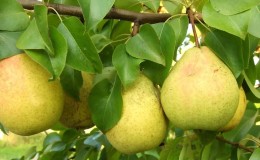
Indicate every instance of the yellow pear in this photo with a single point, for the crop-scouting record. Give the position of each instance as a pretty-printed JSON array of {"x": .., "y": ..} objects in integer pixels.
[
  {"x": 200, "y": 92},
  {"x": 239, "y": 112},
  {"x": 76, "y": 113},
  {"x": 29, "y": 102},
  {"x": 142, "y": 125}
]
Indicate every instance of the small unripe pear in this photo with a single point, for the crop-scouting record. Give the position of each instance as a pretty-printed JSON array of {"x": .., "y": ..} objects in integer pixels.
[
  {"x": 200, "y": 92},
  {"x": 142, "y": 125},
  {"x": 29, "y": 102},
  {"x": 76, "y": 113}
]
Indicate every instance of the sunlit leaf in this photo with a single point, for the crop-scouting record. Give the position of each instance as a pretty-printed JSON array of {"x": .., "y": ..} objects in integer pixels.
[
  {"x": 255, "y": 155},
  {"x": 233, "y": 24},
  {"x": 152, "y": 4},
  {"x": 229, "y": 7},
  {"x": 254, "y": 22},
  {"x": 172, "y": 6}
]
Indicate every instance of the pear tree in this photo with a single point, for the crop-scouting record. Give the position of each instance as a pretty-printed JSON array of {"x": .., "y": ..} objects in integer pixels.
[{"x": 132, "y": 79}]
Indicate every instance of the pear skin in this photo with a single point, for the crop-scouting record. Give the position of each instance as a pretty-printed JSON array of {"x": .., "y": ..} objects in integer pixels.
[
  {"x": 29, "y": 102},
  {"x": 200, "y": 92},
  {"x": 142, "y": 125},
  {"x": 76, "y": 113},
  {"x": 239, "y": 112}
]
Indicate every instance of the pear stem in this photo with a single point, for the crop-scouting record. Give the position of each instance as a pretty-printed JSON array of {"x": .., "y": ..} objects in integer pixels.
[
  {"x": 192, "y": 21},
  {"x": 136, "y": 28}
]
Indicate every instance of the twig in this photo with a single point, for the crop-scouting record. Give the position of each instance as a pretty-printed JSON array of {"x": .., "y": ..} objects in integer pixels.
[
  {"x": 136, "y": 28},
  {"x": 114, "y": 13},
  {"x": 238, "y": 145},
  {"x": 191, "y": 18}
]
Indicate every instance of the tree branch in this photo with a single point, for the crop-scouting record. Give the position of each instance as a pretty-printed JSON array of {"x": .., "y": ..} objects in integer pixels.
[
  {"x": 114, "y": 13},
  {"x": 237, "y": 145}
]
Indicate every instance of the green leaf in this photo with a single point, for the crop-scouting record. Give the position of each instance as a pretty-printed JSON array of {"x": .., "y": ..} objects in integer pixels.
[
  {"x": 41, "y": 57},
  {"x": 100, "y": 41},
  {"x": 255, "y": 155},
  {"x": 245, "y": 125},
  {"x": 58, "y": 146},
  {"x": 70, "y": 135},
  {"x": 146, "y": 45},
  {"x": 71, "y": 81},
  {"x": 233, "y": 24},
  {"x": 132, "y": 5},
  {"x": 254, "y": 23},
  {"x": 127, "y": 66},
  {"x": 198, "y": 4},
  {"x": 41, "y": 19},
  {"x": 94, "y": 11},
  {"x": 251, "y": 70},
  {"x": 230, "y": 7},
  {"x": 172, "y": 149},
  {"x": 12, "y": 16},
  {"x": 249, "y": 47},
  {"x": 51, "y": 139},
  {"x": 180, "y": 27},
  {"x": 31, "y": 34},
  {"x": 66, "y": 2},
  {"x": 8, "y": 44},
  {"x": 216, "y": 150},
  {"x": 54, "y": 64},
  {"x": 172, "y": 6},
  {"x": 105, "y": 103},
  {"x": 228, "y": 48},
  {"x": 250, "y": 85},
  {"x": 60, "y": 49},
  {"x": 152, "y": 4},
  {"x": 2, "y": 129},
  {"x": 82, "y": 54},
  {"x": 168, "y": 44}
]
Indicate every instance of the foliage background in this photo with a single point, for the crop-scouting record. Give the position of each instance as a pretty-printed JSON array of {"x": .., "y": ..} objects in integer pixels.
[{"x": 65, "y": 45}]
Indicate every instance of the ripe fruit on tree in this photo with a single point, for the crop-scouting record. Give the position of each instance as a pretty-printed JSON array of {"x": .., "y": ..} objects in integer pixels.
[
  {"x": 142, "y": 125},
  {"x": 239, "y": 112},
  {"x": 29, "y": 102},
  {"x": 76, "y": 113},
  {"x": 200, "y": 92}
]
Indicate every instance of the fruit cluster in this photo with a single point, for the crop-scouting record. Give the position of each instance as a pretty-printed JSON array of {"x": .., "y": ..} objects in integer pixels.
[{"x": 200, "y": 92}]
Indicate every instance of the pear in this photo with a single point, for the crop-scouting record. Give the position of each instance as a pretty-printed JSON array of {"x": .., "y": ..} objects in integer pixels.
[
  {"x": 200, "y": 91},
  {"x": 29, "y": 102},
  {"x": 142, "y": 125},
  {"x": 239, "y": 112},
  {"x": 76, "y": 113}
]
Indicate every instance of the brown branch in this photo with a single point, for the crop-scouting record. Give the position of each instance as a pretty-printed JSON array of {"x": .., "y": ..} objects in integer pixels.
[
  {"x": 237, "y": 145},
  {"x": 114, "y": 13}
]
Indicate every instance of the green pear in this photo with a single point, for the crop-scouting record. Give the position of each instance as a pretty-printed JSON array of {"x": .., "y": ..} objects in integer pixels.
[
  {"x": 200, "y": 92},
  {"x": 76, "y": 113},
  {"x": 29, "y": 102},
  {"x": 239, "y": 112},
  {"x": 142, "y": 125}
]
